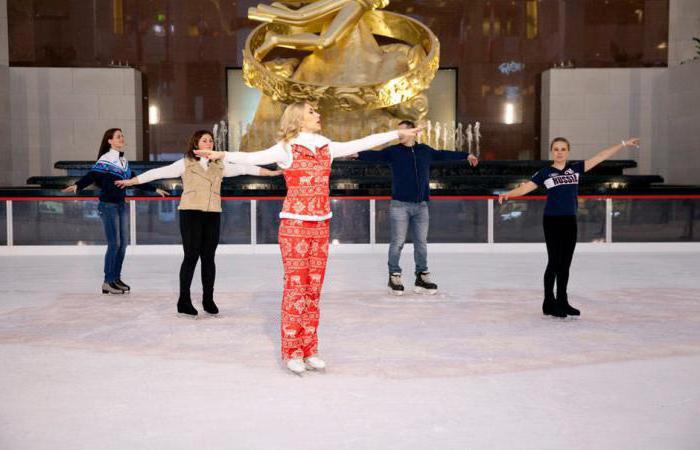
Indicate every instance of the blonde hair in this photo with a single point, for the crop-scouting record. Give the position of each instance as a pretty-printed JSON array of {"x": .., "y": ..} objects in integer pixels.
[{"x": 290, "y": 123}]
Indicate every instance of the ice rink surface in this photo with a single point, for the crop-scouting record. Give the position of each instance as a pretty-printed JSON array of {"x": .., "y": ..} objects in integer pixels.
[{"x": 476, "y": 366}]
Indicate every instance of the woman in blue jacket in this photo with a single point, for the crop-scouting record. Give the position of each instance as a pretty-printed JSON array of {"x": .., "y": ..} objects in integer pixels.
[{"x": 111, "y": 166}]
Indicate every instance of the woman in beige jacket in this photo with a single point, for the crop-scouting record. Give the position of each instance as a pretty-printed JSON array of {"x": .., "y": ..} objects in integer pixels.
[{"x": 200, "y": 213}]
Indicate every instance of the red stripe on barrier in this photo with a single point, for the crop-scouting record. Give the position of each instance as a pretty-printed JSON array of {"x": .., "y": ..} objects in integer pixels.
[{"x": 381, "y": 197}]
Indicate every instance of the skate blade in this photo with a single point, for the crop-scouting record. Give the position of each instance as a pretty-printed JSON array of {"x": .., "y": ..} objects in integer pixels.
[
  {"x": 553, "y": 317},
  {"x": 396, "y": 293},
  {"x": 424, "y": 291},
  {"x": 187, "y": 316},
  {"x": 112, "y": 293}
]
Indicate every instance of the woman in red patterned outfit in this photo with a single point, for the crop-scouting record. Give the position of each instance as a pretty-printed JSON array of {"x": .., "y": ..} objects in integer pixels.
[{"x": 306, "y": 158}]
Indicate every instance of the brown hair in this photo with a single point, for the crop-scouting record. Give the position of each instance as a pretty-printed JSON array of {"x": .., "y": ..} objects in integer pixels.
[
  {"x": 560, "y": 139},
  {"x": 194, "y": 143},
  {"x": 105, "y": 146}
]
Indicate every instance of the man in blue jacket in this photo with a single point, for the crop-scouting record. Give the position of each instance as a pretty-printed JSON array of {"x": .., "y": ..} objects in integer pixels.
[{"x": 410, "y": 192}]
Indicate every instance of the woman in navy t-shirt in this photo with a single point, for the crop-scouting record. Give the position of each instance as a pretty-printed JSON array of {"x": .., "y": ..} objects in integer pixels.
[{"x": 559, "y": 222}]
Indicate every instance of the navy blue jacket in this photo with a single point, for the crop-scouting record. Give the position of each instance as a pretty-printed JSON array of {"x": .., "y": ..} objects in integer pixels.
[
  {"x": 104, "y": 174},
  {"x": 410, "y": 168}
]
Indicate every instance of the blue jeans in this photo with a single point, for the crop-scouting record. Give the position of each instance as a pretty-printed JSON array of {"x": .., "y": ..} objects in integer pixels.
[
  {"x": 115, "y": 219},
  {"x": 405, "y": 216}
]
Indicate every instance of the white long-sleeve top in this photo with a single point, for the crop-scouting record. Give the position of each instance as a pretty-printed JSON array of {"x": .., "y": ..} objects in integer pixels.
[
  {"x": 281, "y": 153},
  {"x": 177, "y": 169}
]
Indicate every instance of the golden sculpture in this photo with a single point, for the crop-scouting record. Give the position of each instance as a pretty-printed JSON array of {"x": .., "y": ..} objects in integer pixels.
[
  {"x": 347, "y": 14},
  {"x": 348, "y": 75}
]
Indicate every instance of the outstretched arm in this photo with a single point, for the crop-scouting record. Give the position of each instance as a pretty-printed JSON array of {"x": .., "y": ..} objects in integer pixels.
[
  {"x": 519, "y": 191},
  {"x": 234, "y": 170},
  {"x": 146, "y": 186},
  {"x": 374, "y": 155},
  {"x": 340, "y": 149},
  {"x": 448, "y": 155},
  {"x": 274, "y": 154},
  {"x": 609, "y": 152},
  {"x": 174, "y": 170},
  {"x": 81, "y": 184}
]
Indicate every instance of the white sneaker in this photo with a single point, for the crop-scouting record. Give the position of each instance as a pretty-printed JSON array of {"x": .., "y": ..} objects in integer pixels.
[
  {"x": 315, "y": 363},
  {"x": 296, "y": 365}
]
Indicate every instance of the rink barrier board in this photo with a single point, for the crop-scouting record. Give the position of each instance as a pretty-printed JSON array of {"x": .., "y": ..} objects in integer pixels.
[{"x": 8, "y": 235}]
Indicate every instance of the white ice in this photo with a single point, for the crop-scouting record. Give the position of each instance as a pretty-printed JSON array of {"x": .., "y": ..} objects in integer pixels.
[{"x": 475, "y": 367}]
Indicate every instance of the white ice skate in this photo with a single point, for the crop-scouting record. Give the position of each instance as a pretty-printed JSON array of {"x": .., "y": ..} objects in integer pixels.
[
  {"x": 315, "y": 363},
  {"x": 296, "y": 365}
]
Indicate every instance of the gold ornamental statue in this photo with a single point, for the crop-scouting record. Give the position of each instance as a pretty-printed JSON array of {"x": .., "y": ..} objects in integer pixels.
[{"x": 349, "y": 76}]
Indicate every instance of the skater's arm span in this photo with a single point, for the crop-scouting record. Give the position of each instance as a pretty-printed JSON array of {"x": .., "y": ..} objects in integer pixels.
[
  {"x": 177, "y": 169},
  {"x": 609, "y": 152},
  {"x": 519, "y": 191},
  {"x": 340, "y": 149},
  {"x": 278, "y": 154}
]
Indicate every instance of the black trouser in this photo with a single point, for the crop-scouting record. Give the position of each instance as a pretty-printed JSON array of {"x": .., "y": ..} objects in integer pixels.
[
  {"x": 560, "y": 236},
  {"x": 200, "y": 237}
]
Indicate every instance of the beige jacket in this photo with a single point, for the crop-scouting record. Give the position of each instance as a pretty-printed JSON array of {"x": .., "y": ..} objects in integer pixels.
[{"x": 201, "y": 188}]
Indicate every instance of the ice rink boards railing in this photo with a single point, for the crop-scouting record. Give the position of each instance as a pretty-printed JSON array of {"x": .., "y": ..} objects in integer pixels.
[{"x": 246, "y": 221}]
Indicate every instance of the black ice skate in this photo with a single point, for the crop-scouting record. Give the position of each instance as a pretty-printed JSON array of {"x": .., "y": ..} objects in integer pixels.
[
  {"x": 185, "y": 308},
  {"x": 551, "y": 307},
  {"x": 395, "y": 285},
  {"x": 111, "y": 288},
  {"x": 210, "y": 307},
  {"x": 424, "y": 285},
  {"x": 123, "y": 286},
  {"x": 563, "y": 301}
]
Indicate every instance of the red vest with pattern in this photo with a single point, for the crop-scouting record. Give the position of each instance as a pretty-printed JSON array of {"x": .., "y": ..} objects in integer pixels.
[{"x": 308, "y": 188}]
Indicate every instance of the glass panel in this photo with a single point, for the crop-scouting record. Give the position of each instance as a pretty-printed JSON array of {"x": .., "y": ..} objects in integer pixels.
[
  {"x": 451, "y": 221},
  {"x": 591, "y": 220},
  {"x": 268, "y": 221},
  {"x": 235, "y": 222},
  {"x": 521, "y": 221},
  {"x": 518, "y": 221},
  {"x": 157, "y": 222},
  {"x": 3, "y": 223},
  {"x": 350, "y": 224},
  {"x": 49, "y": 222},
  {"x": 656, "y": 220}
]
